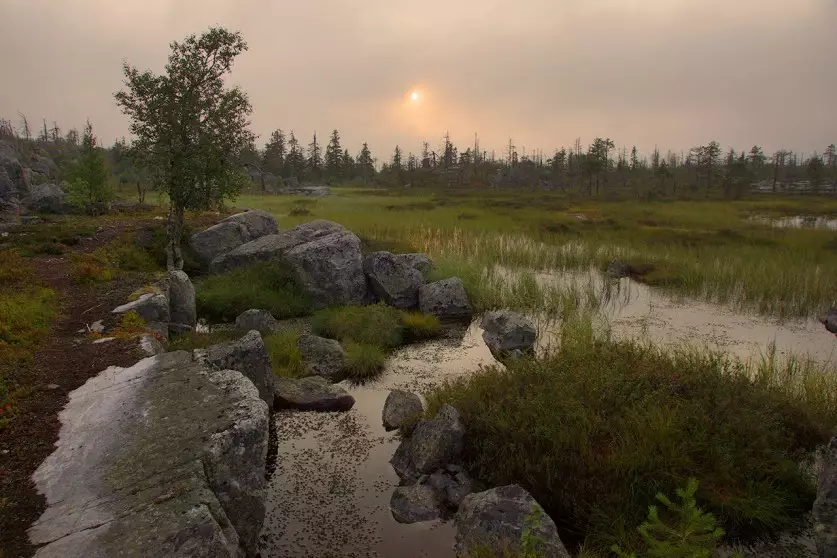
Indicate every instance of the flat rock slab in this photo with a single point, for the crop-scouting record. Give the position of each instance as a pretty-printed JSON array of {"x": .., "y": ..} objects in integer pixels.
[
  {"x": 311, "y": 394},
  {"x": 164, "y": 458}
]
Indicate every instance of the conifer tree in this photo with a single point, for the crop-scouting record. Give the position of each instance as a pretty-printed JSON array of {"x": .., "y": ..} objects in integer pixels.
[
  {"x": 89, "y": 188},
  {"x": 334, "y": 156},
  {"x": 365, "y": 164},
  {"x": 273, "y": 158},
  {"x": 315, "y": 158}
]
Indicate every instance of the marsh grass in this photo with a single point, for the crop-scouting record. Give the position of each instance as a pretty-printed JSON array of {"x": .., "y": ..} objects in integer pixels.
[
  {"x": 267, "y": 285},
  {"x": 364, "y": 361},
  {"x": 595, "y": 429},
  {"x": 283, "y": 348}
]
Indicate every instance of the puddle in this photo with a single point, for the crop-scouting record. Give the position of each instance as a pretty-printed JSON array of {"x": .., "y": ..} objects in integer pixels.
[
  {"x": 798, "y": 222},
  {"x": 329, "y": 495}
]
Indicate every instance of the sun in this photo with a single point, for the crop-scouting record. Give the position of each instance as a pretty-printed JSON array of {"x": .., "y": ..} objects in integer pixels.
[{"x": 415, "y": 96}]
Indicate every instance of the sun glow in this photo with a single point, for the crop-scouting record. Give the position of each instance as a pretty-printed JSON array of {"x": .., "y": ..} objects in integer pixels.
[{"x": 415, "y": 96}]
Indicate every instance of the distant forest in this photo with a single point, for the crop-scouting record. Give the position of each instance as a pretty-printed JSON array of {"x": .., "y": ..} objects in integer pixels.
[{"x": 596, "y": 169}]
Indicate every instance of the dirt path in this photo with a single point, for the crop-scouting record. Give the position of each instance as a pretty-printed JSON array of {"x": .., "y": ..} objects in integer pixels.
[{"x": 64, "y": 361}]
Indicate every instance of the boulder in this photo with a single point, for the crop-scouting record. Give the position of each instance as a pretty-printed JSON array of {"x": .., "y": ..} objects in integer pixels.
[
  {"x": 260, "y": 320},
  {"x": 452, "y": 484},
  {"x": 311, "y": 394},
  {"x": 393, "y": 280},
  {"x": 421, "y": 262},
  {"x": 497, "y": 519},
  {"x": 47, "y": 198},
  {"x": 400, "y": 407},
  {"x": 434, "y": 444},
  {"x": 445, "y": 299},
  {"x": 182, "y": 313},
  {"x": 232, "y": 232},
  {"x": 164, "y": 458},
  {"x": 825, "y": 506},
  {"x": 411, "y": 504},
  {"x": 152, "y": 307},
  {"x": 249, "y": 356},
  {"x": 323, "y": 357},
  {"x": 506, "y": 332},
  {"x": 330, "y": 269},
  {"x": 829, "y": 320},
  {"x": 274, "y": 245},
  {"x": 618, "y": 269}
]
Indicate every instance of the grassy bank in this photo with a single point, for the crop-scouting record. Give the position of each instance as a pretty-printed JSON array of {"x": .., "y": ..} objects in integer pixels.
[
  {"x": 709, "y": 249},
  {"x": 596, "y": 429}
]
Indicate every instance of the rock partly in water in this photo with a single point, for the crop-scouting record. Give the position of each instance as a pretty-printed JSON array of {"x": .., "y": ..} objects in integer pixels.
[
  {"x": 497, "y": 519},
  {"x": 260, "y": 320},
  {"x": 393, "y": 280},
  {"x": 311, "y": 394},
  {"x": 825, "y": 506},
  {"x": 618, "y": 269},
  {"x": 322, "y": 357},
  {"x": 434, "y": 444},
  {"x": 233, "y": 232},
  {"x": 165, "y": 458},
  {"x": 420, "y": 262},
  {"x": 445, "y": 299},
  {"x": 330, "y": 269},
  {"x": 829, "y": 320},
  {"x": 249, "y": 356},
  {"x": 411, "y": 504},
  {"x": 182, "y": 311},
  {"x": 272, "y": 246},
  {"x": 400, "y": 407},
  {"x": 505, "y": 332},
  {"x": 152, "y": 307}
]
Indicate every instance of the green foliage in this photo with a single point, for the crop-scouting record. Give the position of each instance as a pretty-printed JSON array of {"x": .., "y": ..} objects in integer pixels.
[
  {"x": 89, "y": 187},
  {"x": 271, "y": 286},
  {"x": 283, "y": 348},
  {"x": 617, "y": 422},
  {"x": 364, "y": 361},
  {"x": 418, "y": 326},
  {"x": 191, "y": 340},
  {"x": 109, "y": 261},
  {"x": 688, "y": 533},
  {"x": 378, "y": 324}
]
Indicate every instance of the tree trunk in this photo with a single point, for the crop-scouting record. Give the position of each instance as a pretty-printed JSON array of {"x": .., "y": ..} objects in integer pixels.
[{"x": 174, "y": 257}]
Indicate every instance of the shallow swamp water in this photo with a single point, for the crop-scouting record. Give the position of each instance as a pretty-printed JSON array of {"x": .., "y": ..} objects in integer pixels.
[{"x": 330, "y": 492}]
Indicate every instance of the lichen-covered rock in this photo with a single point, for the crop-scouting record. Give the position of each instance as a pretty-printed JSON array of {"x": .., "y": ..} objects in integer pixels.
[
  {"x": 322, "y": 357},
  {"x": 452, "y": 486},
  {"x": 393, "y": 280},
  {"x": 825, "y": 506},
  {"x": 311, "y": 394},
  {"x": 411, "y": 504},
  {"x": 274, "y": 245},
  {"x": 330, "y": 269},
  {"x": 249, "y": 356},
  {"x": 153, "y": 307},
  {"x": 182, "y": 311},
  {"x": 260, "y": 320},
  {"x": 233, "y": 232},
  {"x": 497, "y": 519},
  {"x": 164, "y": 458},
  {"x": 400, "y": 406},
  {"x": 47, "y": 198},
  {"x": 505, "y": 332},
  {"x": 420, "y": 262},
  {"x": 435, "y": 443},
  {"x": 445, "y": 299}
]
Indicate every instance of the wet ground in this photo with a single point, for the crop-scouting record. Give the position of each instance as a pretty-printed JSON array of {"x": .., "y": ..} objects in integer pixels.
[
  {"x": 330, "y": 492},
  {"x": 799, "y": 222}
]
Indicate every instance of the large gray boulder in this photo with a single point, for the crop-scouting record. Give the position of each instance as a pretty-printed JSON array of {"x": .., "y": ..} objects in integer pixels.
[
  {"x": 393, "y": 280},
  {"x": 249, "y": 356},
  {"x": 445, "y": 299},
  {"x": 825, "y": 506},
  {"x": 400, "y": 407},
  {"x": 497, "y": 519},
  {"x": 434, "y": 444},
  {"x": 260, "y": 320},
  {"x": 420, "y": 262},
  {"x": 153, "y": 307},
  {"x": 829, "y": 320},
  {"x": 505, "y": 332},
  {"x": 164, "y": 458},
  {"x": 272, "y": 246},
  {"x": 47, "y": 198},
  {"x": 452, "y": 484},
  {"x": 322, "y": 357},
  {"x": 411, "y": 504},
  {"x": 232, "y": 232},
  {"x": 182, "y": 311},
  {"x": 330, "y": 269},
  {"x": 311, "y": 394}
]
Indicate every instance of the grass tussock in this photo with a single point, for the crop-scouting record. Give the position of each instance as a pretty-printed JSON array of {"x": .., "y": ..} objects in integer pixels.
[
  {"x": 364, "y": 361},
  {"x": 283, "y": 348},
  {"x": 598, "y": 428},
  {"x": 267, "y": 285}
]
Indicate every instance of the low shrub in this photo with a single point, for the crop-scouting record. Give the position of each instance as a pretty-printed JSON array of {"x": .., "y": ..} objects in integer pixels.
[
  {"x": 595, "y": 430},
  {"x": 364, "y": 361},
  {"x": 299, "y": 212},
  {"x": 13, "y": 268},
  {"x": 377, "y": 324},
  {"x": 284, "y": 353},
  {"x": 267, "y": 285},
  {"x": 25, "y": 316},
  {"x": 87, "y": 269}
]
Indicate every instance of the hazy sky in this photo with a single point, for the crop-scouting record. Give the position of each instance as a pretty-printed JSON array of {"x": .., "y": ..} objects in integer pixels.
[{"x": 675, "y": 73}]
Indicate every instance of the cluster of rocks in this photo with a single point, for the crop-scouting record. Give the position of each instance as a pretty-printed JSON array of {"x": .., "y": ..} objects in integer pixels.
[
  {"x": 25, "y": 181},
  {"x": 434, "y": 485},
  {"x": 328, "y": 261}
]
